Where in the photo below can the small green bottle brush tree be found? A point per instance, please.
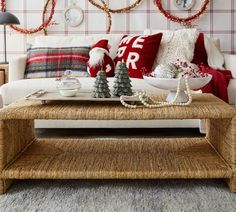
(101, 88)
(122, 84)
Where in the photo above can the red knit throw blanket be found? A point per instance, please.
(219, 83)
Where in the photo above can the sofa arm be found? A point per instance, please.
(230, 63)
(17, 68)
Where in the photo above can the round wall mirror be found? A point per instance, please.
(73, 16)
(184, 4)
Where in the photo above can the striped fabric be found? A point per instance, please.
(52, 62)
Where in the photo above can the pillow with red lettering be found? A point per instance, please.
(139, 53)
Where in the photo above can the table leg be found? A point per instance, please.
(4, 185)
(221, 133)
(15, 137)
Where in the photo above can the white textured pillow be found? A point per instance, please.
(175, 45)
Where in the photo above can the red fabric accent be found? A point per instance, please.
(108, 66)
(200, 54)
(103, 44)
(219, 83)
(138, 52)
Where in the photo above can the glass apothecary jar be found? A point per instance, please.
(68, 85)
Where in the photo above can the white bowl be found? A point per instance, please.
(171, 85)
(68, 92)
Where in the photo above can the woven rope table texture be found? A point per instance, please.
(203, 106)
(23, 156)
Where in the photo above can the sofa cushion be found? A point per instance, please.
(232, 92)
(215, 58)
(45, 62)
(230, 63)
(138, 52)
(78, 40)
(15, 90)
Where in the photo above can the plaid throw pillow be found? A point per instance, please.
(52, 62)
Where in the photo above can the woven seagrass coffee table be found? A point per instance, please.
(23, 156)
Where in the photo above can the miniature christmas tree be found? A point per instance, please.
(122, 85)
(101, 88)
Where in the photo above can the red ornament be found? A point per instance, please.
(183, 21)
(43, 26)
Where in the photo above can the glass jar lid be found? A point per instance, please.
(68, 81)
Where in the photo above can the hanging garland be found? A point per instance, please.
(121, 10)
(183, 21)
(44, 24)
(108, 10)
(3, 5)
(44, 16)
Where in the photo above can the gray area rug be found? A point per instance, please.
(128, 196)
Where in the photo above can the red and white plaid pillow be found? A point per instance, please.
(138, 52)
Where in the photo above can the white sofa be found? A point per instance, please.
(18, 87)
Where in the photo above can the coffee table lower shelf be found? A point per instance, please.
(118, 158)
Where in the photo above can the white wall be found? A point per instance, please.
(218, 21)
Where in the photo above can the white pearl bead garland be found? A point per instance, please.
(144, 98)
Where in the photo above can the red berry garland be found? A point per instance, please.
(108, 11)
(184, 21)
(3, 5)
(43, 26)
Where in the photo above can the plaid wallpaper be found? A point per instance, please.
(218, 21)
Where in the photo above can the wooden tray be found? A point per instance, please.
(44, 96)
